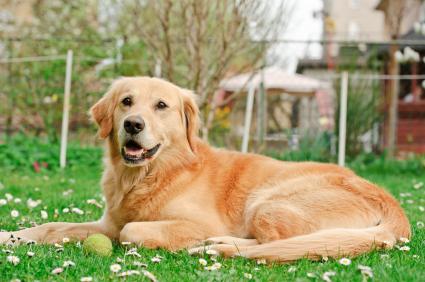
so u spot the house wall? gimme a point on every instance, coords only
(355, 20)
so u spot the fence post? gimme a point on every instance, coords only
(343, 119)
(248, 117)
(66, 108)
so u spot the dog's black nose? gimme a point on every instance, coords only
(134, 124)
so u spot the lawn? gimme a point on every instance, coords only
(60, 191)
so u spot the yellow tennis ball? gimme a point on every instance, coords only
(98, 244)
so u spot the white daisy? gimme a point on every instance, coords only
(33, 203)
(292, 269)
(17, 201)
(57, 270)
(156, 259)
(261, 261)
(149, 275)
(140, 264)
(13, 260)
(44, 214)
(65, 240)
(366, 270)
(345, 261)
(216, 265)
(68, 263)
(203, 262)
(86, 279)
(9, 197)
(327, 276)
(77, 211)
(129, 273)
(115, 267)
(405, 248)
(30, 254)
(3, 202)
(14, 213)
(420, 224)
(133, 252)
(247, 275)
(65, 210)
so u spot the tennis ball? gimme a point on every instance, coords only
(98, 244)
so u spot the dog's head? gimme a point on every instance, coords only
(146, 118)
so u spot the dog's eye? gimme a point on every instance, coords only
(161, 105)
(126, 101)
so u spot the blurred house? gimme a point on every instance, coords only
(354, 32)
(349, 28)
(411, 95)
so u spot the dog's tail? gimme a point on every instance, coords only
(340, 241)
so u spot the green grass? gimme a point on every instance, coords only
(82, 177)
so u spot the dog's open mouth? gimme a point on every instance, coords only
(133, 152)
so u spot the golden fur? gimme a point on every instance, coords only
(190, 195)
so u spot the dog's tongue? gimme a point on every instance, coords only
(134, 151)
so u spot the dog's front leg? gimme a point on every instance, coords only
(55, 232)
(170, 234)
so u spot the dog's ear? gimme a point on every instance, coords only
(191, 116)
(102, 111)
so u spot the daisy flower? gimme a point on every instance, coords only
(345, 261)
(133, 252)
(247, 275)
(9, 197)
(86, 279)
(33, 203)
(3, 202)
(203, 262)
(292, 269)
(215, 266)
(13, 260)
(14, 213)
(57, 270)
(65, 240)
(366, 270)
(149, 275)
(405, 248)
(129, 273)
(261, 261)
(140, 264)
(327, 276)
(156, 259)
(44, 214)
(420, 224)
(68, 263)
(77, 211)
(30, 254)
(115, 267)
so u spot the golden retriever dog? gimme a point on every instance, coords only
(165, 188)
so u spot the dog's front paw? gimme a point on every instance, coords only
(8, 238)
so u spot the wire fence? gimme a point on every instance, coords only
(33, 93)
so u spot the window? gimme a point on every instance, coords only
(353, 30)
